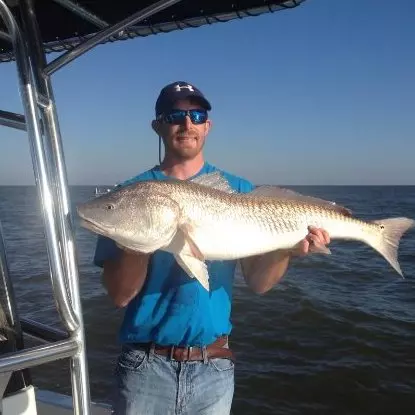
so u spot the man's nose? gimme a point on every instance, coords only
(187, 122)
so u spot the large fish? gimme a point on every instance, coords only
(204, 219)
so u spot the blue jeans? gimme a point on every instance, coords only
(151, 384)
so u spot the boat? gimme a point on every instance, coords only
(29, 30)
(100, 192)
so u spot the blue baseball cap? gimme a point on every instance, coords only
(176, 91)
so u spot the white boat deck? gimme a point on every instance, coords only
(33, 401)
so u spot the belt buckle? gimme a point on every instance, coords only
(187, 351)
(172, 352)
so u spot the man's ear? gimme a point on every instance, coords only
(156, 126)
(208, 126)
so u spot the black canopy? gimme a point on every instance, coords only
(64, 24)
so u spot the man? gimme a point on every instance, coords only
(176, 356)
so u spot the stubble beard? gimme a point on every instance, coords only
(185, 154)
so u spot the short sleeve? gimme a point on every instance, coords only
(105, 250)
(239, 184)
(245, 186)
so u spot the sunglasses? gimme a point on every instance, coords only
(178, 116)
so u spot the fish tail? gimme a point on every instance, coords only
(391, 232)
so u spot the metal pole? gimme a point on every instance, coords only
(10, 119)
(106, 34)
(53, 142)
(5, 36)
(82, 12)
(38, 355)
(28, 95)
(8, 290)
(79, 367)
(11, 327)
(41, 331)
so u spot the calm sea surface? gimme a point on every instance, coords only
(336, 336)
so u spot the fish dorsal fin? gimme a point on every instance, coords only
(288, 194)
(214, 180)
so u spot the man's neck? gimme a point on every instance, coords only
(181, 170)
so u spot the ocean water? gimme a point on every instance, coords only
(336, 336)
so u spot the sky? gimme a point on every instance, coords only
(318, 95)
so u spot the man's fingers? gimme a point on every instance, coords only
(321, 235)
(313, 238)
(326, 236)
(303, 247)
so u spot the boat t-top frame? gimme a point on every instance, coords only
(29, 30)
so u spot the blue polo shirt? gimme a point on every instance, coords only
(173, 308)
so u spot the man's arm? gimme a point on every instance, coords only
(124, 271)
(124, 277)
(262, 272)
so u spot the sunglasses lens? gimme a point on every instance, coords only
(178, 116)
(175, 117)
(198, 117)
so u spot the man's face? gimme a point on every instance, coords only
(184, 140)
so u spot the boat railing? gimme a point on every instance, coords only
(50, 177)
(40, 121)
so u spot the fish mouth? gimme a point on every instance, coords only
(85, 223)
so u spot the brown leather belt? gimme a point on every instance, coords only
(216, 349)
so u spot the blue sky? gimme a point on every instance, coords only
(322, 94)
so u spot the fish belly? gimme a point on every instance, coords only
(225, 241)
(233, 239)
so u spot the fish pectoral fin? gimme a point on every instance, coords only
(186, 230)
(318, 248)
(194, 267)
(189, 256)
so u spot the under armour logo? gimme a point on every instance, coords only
(179, 88)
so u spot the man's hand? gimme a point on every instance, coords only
(124, 276)
(315, 241)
